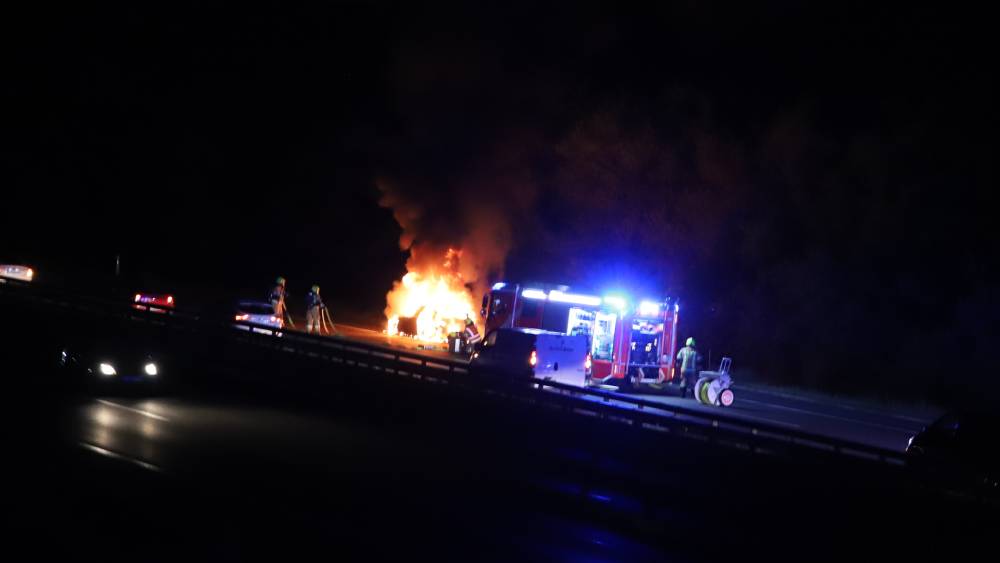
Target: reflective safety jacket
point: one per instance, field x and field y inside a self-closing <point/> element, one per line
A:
<point x="689" y="359"/>
<point x="277" y="294"/>
<point x="313" y="300"/>
<point x="472" y="334"/>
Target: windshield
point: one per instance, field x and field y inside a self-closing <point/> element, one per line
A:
<point x="644" y="347"/>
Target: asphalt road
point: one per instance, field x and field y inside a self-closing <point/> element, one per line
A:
<point x="261" y="454"/>
<point x="206" y="474"/>
<point x="868" y="425"/>
<point x="216" y="473"/>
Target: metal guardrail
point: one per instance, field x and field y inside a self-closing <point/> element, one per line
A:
<point x="636" y="412"/>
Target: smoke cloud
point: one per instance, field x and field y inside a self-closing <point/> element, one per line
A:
<point x="798" y="230"/>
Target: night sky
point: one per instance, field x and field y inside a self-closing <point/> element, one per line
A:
<point x="812" y="181"/>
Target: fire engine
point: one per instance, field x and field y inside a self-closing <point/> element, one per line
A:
<point x="631" y="343"/>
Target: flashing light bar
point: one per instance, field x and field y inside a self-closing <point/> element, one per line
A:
<point x="649" y="309"/>
<point x="138" y="297"/>
<point x="498" y="286"/>
<point x="615" y="301"/>
<point x="574" y="298"/>
<point x="170" y="299"/>
<point x="677" y="307"/>
<point x="534" y="294"/>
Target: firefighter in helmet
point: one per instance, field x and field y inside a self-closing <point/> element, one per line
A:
<point x="690" y="363"/>
<point x="277" y="297"/>
<point x="471" y="334"/>
<point x="314" y="310"/>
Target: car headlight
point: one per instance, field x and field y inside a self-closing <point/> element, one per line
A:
<point x="150" y="369"/>
<point x="107" y="369"/>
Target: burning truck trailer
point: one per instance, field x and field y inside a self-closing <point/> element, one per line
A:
<point x="631" y="344"/>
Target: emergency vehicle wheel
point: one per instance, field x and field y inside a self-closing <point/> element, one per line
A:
<point x="726" y="398"/>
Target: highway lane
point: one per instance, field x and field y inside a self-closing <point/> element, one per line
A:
<point x="824" y="416"/>
<point x="370" y="336"/>
<point x="341" y="482"/>
<point x="818" y="415"/>
<point x="386" y="467"/>
<point x="238" y="472"/>
<point x="880" y="429"/>
<point x="393" y="467"/>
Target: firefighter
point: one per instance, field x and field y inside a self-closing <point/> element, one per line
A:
<point x="690" y="363"/>
<point x="471" y="334"/>
<point x="277" y="297"/>
<point x="314" y="310"/>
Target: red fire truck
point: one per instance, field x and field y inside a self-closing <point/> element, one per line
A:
<point x="630" y="342"/>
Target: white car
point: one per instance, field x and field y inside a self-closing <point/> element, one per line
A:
<point x="16" y="272"/>
<point x="258" y="313"/>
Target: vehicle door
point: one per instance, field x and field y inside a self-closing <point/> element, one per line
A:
<point x="564" y="358"/>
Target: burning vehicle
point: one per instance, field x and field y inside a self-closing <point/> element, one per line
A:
<point x="432" y="304"/>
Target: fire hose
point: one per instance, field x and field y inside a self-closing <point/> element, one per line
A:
<point x="325" y="319"/>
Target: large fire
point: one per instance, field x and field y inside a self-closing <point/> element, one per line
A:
<point x="431" y="303"/>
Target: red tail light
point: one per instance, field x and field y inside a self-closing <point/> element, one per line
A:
<point x="533" y="359"/>
<point x="587" y="363"/>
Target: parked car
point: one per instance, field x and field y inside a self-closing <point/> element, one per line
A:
<point x="17" y="272"/>
<point x="155" y="302"/>
<point x="258" y="313"/>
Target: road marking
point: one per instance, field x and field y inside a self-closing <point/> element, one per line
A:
<point x="120" y="457"/>
<point x="749" y="418"/>
<point x="152" y="415"/>
<point x="743" y="417"/>
<point x="752" y="418"/>
<point x="851" y="420"/>
<point x="756" y="389"/>
<point x="360" y="329"/>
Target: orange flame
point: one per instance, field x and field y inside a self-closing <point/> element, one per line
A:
<point x="437" y="297"/>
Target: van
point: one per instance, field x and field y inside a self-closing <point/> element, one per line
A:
<point x="529" y="352"/>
